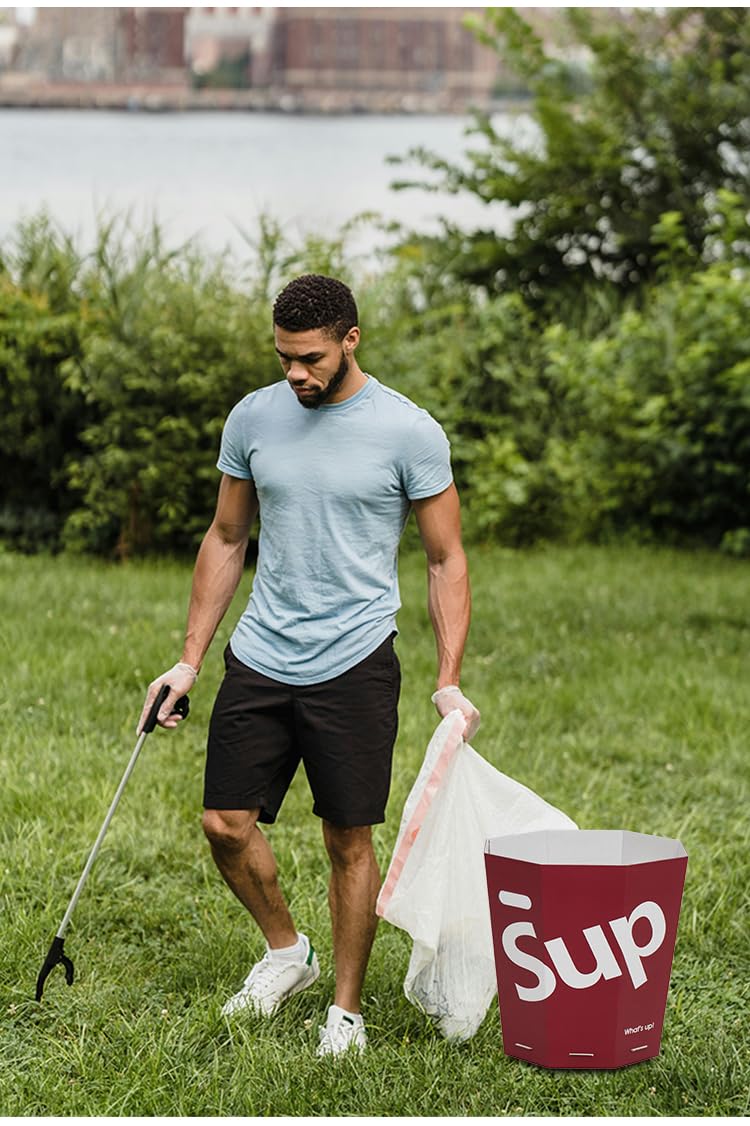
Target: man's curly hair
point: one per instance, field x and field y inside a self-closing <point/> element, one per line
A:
<point x="315" y="301"/>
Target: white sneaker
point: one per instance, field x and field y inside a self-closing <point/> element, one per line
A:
<point x="341" y="1033"/>
<point x="270" y="983"/>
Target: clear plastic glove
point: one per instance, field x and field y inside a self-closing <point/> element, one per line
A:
<point x="180" y="678"/>
<point x="449" y="699"/>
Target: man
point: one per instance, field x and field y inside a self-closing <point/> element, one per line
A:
<point x="333" y="461"/>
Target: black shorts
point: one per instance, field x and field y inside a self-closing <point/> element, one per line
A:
<point x="343" y="731"/>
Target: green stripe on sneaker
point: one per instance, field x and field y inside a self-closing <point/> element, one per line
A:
<point x="309" y="958"/>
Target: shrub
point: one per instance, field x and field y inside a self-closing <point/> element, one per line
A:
<point x="117" y="371"/>
<point x="664" y="405"/>
<point x="40" y="417"/>
<point x="637" y="423"/>
<point x="168" y="347"/>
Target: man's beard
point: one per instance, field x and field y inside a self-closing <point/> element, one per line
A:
<point x="312" y="402"/>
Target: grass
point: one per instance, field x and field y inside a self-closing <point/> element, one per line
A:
<point x="613" y="682"/>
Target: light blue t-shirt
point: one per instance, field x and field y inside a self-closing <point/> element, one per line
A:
<point x="334" y="486"/>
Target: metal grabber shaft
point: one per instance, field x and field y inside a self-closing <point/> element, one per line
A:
<point x="55" y="954"/>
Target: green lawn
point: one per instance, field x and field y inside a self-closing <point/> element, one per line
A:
<point x="613" y="682"/>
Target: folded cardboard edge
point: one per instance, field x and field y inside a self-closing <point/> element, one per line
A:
<point x="614" y="847"/>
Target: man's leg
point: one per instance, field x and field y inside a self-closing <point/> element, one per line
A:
<point x="353" y="890"/>
<point x="346" y="729"/>
<point x="245" y="859"/>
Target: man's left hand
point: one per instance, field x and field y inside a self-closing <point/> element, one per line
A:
<point x="449" y="698"/>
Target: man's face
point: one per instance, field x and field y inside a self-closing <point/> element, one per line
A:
<point x="314" y="363"/>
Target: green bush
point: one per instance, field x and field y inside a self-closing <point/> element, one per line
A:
<point x="117" y="371"/>
<point x="476" y="366"/>
<point x="40" y="417"/>
<point x="636" y="423"/>
<point x="168" y="347"/>
<point x="664" y="403"/>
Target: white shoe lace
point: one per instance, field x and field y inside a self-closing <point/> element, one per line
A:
<point x="338" y="1037"/>
<point x="257" y="985"/>
<point x="263" y="975"/>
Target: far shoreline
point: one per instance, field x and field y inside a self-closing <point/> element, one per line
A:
<point x="182" y="99"/>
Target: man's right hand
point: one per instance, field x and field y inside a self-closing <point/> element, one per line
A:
<point x="180" y="678"/>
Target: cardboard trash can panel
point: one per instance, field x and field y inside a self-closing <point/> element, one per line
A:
<point x="584" y="925"/>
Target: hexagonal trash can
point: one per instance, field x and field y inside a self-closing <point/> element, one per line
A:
<point x="584" y="924"/>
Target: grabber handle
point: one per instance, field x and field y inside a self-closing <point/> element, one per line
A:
<point x="182" y="707"/>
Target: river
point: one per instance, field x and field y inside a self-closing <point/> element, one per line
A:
<point x="205" y="175"/>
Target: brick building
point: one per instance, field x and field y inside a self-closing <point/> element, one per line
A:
<point x="105" y="45"/>
<point x="9" y="38"/>
<point x="319" y="59"/>
<point x="154" y="43"/>
<point x="398" y="50"/>
<point x="72" y="44"/>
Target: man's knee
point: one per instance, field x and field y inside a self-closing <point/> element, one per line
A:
<point x="348" y="847"/>
<point x="229" y="829"/>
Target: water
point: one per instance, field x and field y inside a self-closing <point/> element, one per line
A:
<point x="205" y="174"/>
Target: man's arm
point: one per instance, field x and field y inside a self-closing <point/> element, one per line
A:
<point x="218" y="567"/>
<point x="217" y="573"/>
<point x="448" y="595"/>
<point x="448" y="592"/>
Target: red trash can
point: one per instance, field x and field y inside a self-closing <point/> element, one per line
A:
<point x="584" y="924"/>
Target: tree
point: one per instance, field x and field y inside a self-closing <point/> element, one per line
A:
<point x="662" y="126"/>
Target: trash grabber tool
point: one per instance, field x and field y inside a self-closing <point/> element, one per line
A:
<point x="55" y="953"/>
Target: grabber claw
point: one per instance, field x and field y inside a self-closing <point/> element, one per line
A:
<point x="54" y="958"/>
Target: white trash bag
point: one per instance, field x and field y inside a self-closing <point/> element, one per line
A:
<point x="435" y="887"/>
